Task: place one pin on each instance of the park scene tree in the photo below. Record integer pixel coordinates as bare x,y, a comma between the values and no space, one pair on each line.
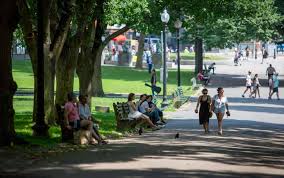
52,51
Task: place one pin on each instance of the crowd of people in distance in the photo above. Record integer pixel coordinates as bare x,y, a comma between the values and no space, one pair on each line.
253,84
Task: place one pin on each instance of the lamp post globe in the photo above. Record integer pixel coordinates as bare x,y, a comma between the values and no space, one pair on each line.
165,17
178,25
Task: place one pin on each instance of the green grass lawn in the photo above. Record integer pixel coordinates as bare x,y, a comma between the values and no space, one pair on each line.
191,56
115,80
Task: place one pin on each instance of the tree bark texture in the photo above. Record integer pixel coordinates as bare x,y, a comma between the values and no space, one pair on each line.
97,84
198,54
139,62
53,48
85,72
65,70
8,21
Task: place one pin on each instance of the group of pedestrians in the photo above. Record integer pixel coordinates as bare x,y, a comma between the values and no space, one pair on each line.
207,105
253,84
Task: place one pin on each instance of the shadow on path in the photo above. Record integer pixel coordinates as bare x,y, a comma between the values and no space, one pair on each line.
244,143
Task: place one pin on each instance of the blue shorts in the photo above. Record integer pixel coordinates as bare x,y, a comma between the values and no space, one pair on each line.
219,110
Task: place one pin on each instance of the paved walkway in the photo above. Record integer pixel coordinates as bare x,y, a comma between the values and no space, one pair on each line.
252,144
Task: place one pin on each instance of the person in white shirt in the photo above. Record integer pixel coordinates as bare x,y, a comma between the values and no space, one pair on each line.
248,84
85,114
219,105
255,85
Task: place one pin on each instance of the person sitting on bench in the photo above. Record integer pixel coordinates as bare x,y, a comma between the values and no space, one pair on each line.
203,78
211,66
155,108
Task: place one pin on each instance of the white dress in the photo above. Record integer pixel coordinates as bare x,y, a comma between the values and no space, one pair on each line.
133,114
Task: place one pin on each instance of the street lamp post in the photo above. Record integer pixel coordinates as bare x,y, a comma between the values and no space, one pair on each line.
178,25
165,17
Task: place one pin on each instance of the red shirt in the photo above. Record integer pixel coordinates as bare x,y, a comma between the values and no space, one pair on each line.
72,110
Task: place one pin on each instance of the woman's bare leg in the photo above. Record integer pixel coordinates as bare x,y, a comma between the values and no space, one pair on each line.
207,126
204,127
147,120
220,122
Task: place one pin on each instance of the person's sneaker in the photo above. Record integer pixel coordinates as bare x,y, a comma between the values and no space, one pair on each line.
164,122
243,96
161,126
156,128
159,123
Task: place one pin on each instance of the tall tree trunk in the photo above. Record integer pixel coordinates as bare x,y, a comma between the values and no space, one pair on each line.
53,54
30,38
97,85
8,21
85,72
84,68
65,70
198,54
49,78
139,62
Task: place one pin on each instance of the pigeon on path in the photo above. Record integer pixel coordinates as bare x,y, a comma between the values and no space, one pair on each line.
177,136
140,131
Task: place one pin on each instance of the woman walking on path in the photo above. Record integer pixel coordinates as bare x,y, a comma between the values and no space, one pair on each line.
255,85
205,109
219,104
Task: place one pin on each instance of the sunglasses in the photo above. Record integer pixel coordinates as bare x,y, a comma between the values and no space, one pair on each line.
205,93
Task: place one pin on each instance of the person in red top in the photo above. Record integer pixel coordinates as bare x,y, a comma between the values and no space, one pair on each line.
203,78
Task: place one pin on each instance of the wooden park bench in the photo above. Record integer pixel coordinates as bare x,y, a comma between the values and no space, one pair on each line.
179,97
207,73
121,111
